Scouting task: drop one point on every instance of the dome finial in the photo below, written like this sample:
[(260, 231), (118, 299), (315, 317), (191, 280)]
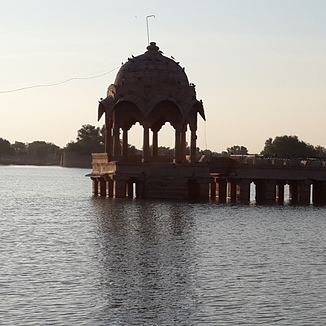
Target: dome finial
[(152, 47)]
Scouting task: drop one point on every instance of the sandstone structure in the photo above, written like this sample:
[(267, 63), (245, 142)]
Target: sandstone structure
[(150, 89)]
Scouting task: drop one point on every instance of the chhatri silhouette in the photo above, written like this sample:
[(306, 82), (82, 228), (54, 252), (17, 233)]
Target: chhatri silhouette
[(151, 89)]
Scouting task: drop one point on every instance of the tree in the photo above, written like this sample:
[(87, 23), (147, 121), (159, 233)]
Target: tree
[(237, 150), (165, 151), (5, 148), (43, 151), (320, 151), (268, 148), (90, 139), (20, 148), (132, 150), (288, 146), (88, 132)]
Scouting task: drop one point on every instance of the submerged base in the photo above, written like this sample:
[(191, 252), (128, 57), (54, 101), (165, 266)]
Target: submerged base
[(150, 180)]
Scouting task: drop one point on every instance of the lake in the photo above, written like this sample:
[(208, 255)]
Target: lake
[(68, 258)]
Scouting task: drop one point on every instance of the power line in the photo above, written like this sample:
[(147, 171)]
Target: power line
[(59, 83)]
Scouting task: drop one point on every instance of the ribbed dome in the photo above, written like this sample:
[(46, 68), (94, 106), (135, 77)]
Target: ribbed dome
[(152, 74), (149, 81)]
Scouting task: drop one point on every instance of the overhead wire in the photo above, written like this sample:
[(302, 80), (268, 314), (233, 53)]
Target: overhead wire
[(58, 83)]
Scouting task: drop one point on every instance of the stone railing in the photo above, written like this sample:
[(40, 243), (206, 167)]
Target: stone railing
[(279, 162)]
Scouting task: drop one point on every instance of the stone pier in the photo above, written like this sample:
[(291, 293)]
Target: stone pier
[(150, 180), (306, 180)]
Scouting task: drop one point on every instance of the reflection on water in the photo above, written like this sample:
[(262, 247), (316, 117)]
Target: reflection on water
[(70, 259), (166, 263), (147, 261)]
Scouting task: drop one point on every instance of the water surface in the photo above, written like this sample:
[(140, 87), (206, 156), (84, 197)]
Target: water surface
[(68, 258)]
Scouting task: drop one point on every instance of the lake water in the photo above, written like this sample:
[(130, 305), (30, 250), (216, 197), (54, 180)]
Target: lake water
[(68, 258)]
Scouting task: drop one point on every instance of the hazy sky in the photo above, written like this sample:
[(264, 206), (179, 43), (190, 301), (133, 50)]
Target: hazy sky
[(259, 65)]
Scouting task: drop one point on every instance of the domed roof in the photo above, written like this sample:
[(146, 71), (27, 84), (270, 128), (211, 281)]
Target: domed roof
[(151, 74), (149, 79)]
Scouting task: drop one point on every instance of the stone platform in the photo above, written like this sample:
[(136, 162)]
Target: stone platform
[(149, 180)]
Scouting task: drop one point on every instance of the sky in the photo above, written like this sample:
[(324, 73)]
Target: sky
[(258, 65)]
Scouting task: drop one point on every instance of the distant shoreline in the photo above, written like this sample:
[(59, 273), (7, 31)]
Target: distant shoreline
[(73, 160), (15, 161)]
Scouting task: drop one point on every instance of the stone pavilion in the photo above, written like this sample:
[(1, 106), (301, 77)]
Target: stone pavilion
[(150, 89)]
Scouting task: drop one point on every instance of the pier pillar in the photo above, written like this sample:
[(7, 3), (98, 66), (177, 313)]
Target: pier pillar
[(204, 191), (293, 191), (221, 190), (120, 188), (319, 193), (213, 189), (232, 190), (95, 187), (140, 189), (243, 191), (304, 192), (110, 188), (130, 189), (259, 191), (280, 191), (265, 191), (270, 190), (102, 187)]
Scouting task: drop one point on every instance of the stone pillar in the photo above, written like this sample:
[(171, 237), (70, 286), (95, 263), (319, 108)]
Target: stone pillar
[(319, 193), (293, 192), (117, 145), (110, 187), (260, 191), (155, 143), (125, 143), (280, 192), (177, 147), (270, 191), (120, 188), (243, 191), (213, 189), (194, 189), (193, 146), (265, 191), (221, 191), (130, 189), (232, 190), (146, 144), (304, 192), (108, 137), (102, 187), (183, 144), (140, 189), (95, 187), (204, 191)]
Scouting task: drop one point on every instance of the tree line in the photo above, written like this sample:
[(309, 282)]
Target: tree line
[(37, 152), (292, 147), (90, 139)]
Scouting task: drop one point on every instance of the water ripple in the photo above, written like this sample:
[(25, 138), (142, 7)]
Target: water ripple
[(70, 259)]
